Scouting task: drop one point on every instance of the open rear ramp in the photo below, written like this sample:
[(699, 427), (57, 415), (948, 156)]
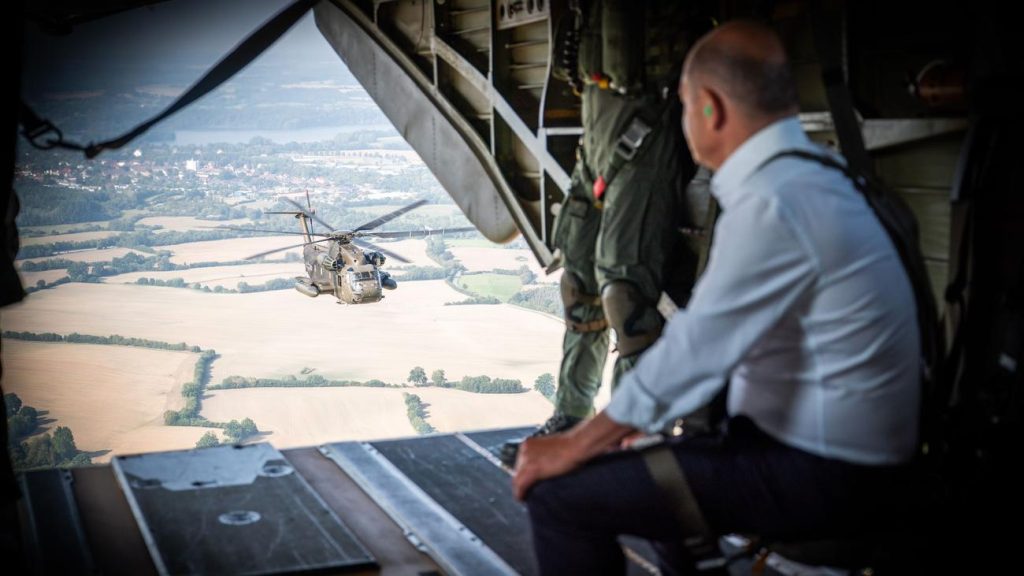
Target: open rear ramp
[(428, 505)]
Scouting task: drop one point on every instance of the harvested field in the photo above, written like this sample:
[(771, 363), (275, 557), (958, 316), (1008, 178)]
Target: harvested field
[(107, 395), (310, 416), (226, 276), (231, 249), (275, 334)]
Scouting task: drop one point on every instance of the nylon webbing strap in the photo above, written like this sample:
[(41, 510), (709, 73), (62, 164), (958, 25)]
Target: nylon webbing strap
[(247, 51), (840, 102), (631, 142), (670, 479), (585, 327), (709, 234)]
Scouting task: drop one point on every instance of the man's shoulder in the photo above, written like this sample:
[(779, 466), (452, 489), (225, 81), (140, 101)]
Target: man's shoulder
[(791, 177)]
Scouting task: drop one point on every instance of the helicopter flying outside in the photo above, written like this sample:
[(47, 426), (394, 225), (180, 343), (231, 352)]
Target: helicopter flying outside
[(341, 262)]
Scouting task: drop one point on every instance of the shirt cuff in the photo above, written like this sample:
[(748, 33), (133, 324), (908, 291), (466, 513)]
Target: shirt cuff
[(633, 405)]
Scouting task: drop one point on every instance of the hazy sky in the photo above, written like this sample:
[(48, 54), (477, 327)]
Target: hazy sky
[(150, 40)]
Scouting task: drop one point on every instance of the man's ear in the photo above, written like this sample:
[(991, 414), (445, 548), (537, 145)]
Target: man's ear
[(714, 109)]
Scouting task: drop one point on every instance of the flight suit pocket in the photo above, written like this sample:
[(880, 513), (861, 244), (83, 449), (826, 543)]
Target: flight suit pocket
[(579, 222)]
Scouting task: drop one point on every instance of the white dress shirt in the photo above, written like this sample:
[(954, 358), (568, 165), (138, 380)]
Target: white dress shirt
[(804, 306)]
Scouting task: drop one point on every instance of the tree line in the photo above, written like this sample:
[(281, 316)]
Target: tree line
[(243, 287), (311, 381), (477, 384), (234, 432), (43, 451), (416, 410), (193, 393), (93, 272), (112, 340), (543, 298)]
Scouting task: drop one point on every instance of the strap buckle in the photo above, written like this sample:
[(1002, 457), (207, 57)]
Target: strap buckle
[(34, 133), (631, 140)]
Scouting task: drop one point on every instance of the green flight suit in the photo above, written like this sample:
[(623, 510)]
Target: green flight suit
[(631, 232)]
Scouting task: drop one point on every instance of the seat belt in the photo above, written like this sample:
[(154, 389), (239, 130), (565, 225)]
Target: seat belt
[(669, 477), (34, 127)]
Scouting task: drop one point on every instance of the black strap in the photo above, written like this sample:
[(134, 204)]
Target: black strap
[(966, 179), (840, 102), (34, 128)]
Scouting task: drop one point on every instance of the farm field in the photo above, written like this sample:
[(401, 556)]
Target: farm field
[(107, 395)]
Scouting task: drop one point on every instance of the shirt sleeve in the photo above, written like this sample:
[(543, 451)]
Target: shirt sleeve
[(758, 268)]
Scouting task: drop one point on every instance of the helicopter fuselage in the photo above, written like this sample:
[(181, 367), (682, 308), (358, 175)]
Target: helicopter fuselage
[(343, 269), (339, 261)]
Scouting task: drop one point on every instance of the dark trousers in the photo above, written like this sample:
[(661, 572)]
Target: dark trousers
[(743, 480)]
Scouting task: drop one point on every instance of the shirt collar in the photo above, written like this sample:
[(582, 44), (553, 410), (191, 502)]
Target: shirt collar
[(784, 134)]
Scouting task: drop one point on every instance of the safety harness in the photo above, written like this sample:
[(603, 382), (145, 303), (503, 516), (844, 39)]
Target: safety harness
[(630, 144)]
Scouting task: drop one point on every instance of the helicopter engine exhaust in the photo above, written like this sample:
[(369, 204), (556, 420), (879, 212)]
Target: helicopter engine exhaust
[(307, 288)]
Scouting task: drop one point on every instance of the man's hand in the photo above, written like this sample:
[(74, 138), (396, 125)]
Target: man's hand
[(545, 457)]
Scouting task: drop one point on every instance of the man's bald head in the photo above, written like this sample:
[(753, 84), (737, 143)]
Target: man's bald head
[(746, 63)]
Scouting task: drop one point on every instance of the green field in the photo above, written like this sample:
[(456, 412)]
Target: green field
[(501, 286)]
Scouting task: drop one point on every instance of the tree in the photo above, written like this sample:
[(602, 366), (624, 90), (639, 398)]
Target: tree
[(40, 452), (545, 384), (418, 376), (209, 439), (233, 431), (438, 378), (249, 428), (13, 404), (64, 448), (526, 276)]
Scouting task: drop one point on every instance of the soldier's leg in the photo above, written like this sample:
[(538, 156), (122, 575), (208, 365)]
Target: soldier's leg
[(585, 344), (639, 243), (584, 349)]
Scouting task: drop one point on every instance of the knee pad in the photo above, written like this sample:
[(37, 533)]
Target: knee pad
[(573, 297), (637, 322)]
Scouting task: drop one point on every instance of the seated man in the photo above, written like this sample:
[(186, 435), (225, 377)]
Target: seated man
[(804, 307)]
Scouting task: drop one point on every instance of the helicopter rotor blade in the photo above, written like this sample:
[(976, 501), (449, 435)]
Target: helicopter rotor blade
[(288, 232), (268, 252), (371, 246), (416, 233), (312, 217), (309, 206), (390, 216)]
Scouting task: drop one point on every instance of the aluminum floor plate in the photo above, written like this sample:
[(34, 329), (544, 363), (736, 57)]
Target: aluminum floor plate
[(233, 510)]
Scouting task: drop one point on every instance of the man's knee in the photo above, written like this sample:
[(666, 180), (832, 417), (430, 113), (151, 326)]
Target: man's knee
[(574, 300), (635, 319), (548, 503)]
